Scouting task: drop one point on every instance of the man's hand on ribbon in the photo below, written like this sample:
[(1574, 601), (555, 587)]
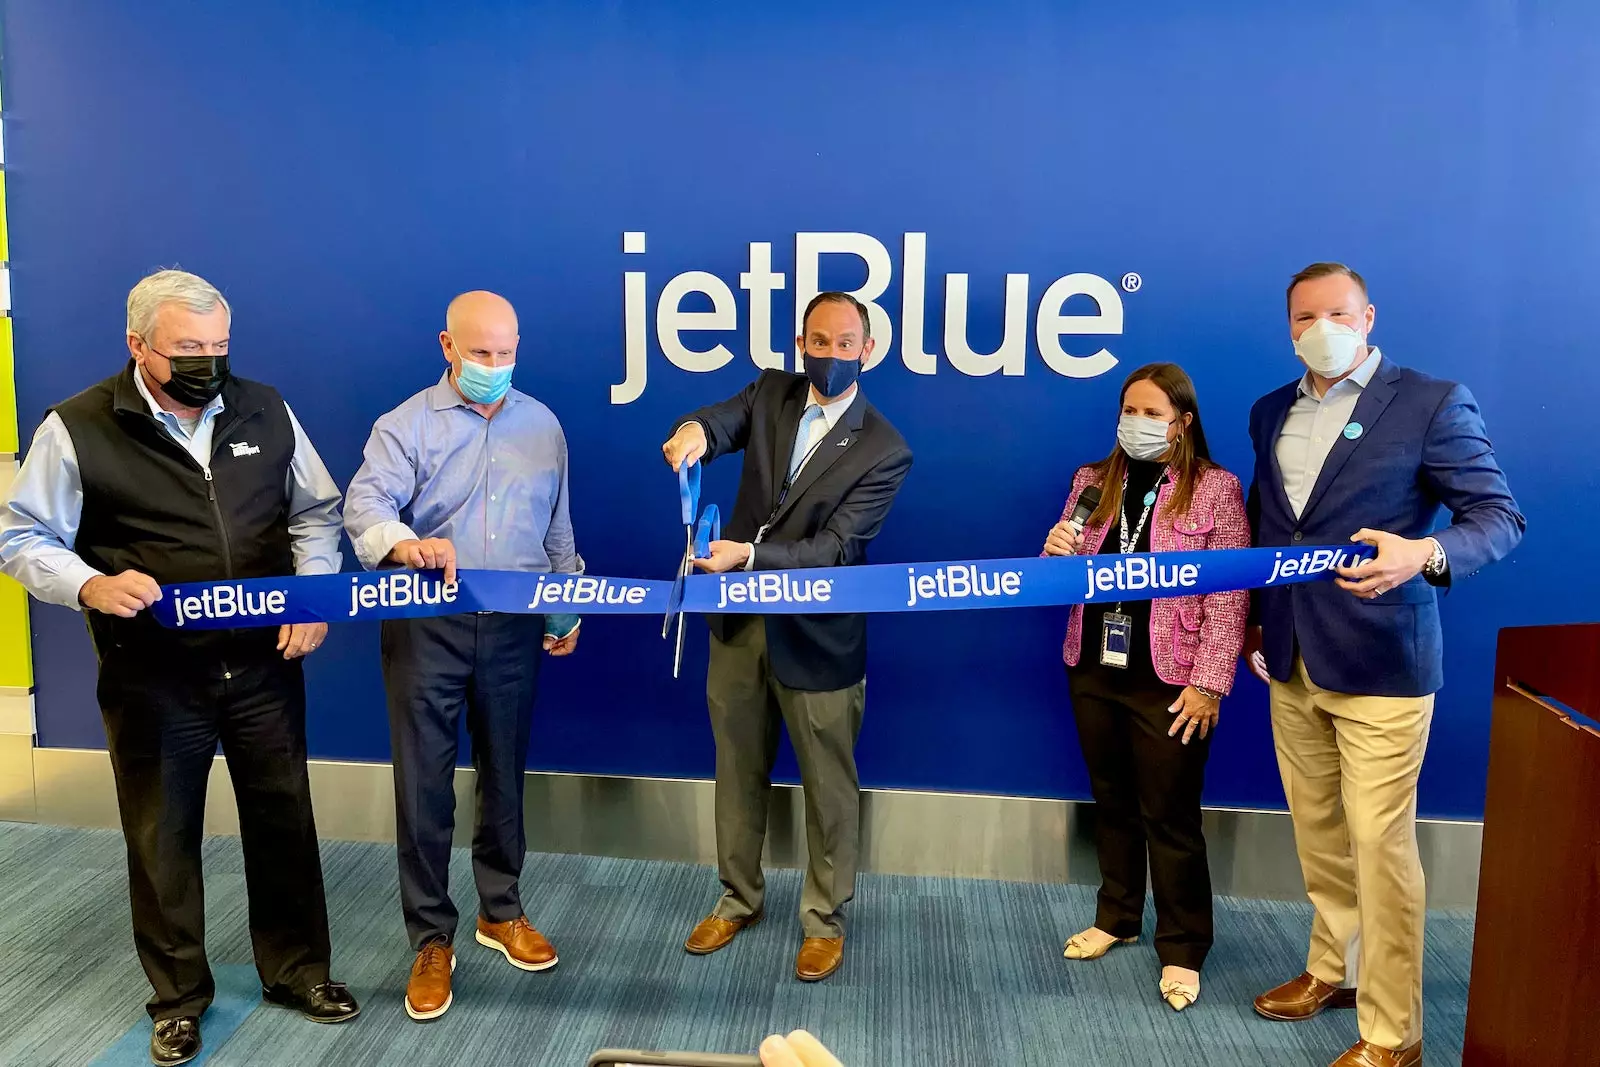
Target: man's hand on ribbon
[(725, 556), (1399, 560), (124, 594), (428, 554), (685, 446)]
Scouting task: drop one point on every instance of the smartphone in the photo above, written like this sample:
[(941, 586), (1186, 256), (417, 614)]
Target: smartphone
[(616, 1057)]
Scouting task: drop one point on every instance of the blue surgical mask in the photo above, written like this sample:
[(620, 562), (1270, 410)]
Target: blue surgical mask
[(831, 376), (481, 384)]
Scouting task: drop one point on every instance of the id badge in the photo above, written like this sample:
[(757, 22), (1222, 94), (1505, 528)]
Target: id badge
[(1116, 636)]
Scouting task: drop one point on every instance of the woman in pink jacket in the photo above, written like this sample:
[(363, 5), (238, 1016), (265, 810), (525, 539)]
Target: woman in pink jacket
[(1147, 676)]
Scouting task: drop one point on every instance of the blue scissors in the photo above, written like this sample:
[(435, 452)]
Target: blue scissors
[(697, 538)]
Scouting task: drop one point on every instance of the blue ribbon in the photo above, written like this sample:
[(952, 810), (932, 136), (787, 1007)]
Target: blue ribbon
[(885, 587)]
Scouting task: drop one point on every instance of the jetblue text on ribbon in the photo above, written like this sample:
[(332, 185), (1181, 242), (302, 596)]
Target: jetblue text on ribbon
[(949, 586)]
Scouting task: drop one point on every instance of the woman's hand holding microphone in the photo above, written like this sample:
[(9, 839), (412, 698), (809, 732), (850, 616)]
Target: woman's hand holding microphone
[(1064, 540)]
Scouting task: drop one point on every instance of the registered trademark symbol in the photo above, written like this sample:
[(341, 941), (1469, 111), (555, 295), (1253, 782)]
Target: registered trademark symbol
[(1131, 282)]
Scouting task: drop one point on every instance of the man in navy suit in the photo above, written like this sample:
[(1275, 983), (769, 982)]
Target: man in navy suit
[(821, 468), (1363, 449)]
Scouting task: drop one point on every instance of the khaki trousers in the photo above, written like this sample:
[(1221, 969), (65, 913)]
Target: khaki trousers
[(1350, 766), (748, 707)]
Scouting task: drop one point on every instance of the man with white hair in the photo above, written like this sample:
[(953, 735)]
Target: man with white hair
[(170, 471)]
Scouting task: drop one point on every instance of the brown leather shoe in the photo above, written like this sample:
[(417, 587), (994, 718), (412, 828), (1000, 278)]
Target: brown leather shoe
[(428, 993), (1366, 1054), (518, 942), (818, 958), (1301, 998), (715, 932)]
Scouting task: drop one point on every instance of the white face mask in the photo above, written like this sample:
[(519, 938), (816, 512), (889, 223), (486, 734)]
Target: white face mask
[(1329, 348), (1143, 438)]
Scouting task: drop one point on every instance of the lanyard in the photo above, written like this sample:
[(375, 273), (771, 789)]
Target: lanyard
[(790, 479), (1128, 543)]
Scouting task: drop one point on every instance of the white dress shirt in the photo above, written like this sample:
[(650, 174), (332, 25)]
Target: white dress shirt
[(1313, 427)]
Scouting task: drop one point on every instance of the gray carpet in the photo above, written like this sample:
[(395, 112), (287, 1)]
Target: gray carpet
[(938, 971)]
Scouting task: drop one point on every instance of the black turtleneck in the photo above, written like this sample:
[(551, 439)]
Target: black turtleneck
[(1143, 477)]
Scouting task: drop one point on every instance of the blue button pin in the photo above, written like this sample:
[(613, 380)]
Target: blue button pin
[(1353, 430)]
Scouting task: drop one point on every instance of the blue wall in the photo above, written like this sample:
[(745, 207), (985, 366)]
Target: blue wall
[(342, 173)]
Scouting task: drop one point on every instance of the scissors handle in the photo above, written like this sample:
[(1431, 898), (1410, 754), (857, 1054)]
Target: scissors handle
[(689, 491)]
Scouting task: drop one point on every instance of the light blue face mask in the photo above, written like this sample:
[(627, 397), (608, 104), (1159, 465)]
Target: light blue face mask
[(483, 385)]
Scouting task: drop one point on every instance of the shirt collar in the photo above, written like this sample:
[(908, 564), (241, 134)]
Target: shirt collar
[(162, 413), (442, 395), (1358, 379), (833, 410)]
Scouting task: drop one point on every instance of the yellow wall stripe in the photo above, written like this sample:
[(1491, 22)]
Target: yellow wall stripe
[(16, 645)]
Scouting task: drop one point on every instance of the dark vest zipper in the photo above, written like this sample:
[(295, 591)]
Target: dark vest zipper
[(222, 527)]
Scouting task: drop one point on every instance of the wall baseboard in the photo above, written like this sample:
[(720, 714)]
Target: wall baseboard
[(903, 832)]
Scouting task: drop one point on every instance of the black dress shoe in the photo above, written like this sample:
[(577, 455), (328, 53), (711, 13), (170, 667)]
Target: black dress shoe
[(329, 1002), (175, 1041)]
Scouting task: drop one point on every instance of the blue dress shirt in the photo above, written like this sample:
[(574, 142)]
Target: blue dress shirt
[(495, 488)]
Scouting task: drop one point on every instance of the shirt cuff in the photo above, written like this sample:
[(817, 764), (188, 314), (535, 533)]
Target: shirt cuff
[(750, 561), (561, 626), (374, 546), (64, 587)]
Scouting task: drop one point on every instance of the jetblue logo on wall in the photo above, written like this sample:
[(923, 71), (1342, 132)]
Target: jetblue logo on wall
[(920, 354)]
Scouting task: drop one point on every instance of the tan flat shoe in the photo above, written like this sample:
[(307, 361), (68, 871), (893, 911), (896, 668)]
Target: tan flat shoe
[(1179, 995), (1078, 947)]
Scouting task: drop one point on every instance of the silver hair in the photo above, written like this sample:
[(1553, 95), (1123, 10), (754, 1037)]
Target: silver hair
[(171, 287)]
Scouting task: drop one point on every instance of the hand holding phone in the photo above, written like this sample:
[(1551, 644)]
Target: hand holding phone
[(616, 1057), (799, 1049)]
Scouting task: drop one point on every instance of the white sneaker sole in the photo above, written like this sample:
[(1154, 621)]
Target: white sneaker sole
[(424, 1016), (489, 942)]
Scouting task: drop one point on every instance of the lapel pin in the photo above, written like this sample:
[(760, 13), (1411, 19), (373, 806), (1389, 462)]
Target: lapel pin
[(1353, 430)]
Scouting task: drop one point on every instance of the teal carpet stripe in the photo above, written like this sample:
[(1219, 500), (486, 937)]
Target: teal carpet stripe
[(238, 994), (938, 972)]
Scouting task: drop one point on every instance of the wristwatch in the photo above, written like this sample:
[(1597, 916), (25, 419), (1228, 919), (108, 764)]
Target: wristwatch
[(1437, 564)]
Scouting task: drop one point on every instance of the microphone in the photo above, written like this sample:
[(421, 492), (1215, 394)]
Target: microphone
[(1088, 500)]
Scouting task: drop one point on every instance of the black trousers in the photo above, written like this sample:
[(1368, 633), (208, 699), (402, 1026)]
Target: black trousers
[(1146, 789), (486, 668), (164, 718)]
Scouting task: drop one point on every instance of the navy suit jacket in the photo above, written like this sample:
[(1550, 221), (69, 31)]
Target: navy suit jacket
[(1422, 445), (832, 512)]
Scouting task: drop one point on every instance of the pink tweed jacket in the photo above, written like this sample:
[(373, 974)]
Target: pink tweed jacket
[(1195, 640)]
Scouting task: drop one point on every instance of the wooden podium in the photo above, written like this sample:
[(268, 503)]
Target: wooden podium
[(1535, 997)]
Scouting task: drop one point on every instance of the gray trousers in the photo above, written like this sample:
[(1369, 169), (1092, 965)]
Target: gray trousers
[(746, 704)]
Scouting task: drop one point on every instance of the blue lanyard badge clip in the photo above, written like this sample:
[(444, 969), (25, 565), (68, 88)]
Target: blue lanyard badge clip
[(697, 538)]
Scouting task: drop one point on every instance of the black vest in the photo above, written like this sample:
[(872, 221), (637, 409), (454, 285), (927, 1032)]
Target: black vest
[(148, 506)]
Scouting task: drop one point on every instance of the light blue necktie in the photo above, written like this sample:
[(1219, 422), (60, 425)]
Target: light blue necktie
[(802, 439)]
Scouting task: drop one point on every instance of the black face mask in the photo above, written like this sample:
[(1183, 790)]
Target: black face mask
[(196, 380)]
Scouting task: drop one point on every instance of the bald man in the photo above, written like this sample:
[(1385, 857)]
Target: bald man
[(470, 473)]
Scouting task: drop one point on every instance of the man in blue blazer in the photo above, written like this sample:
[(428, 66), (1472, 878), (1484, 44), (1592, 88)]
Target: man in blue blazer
[(1363, 449)]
